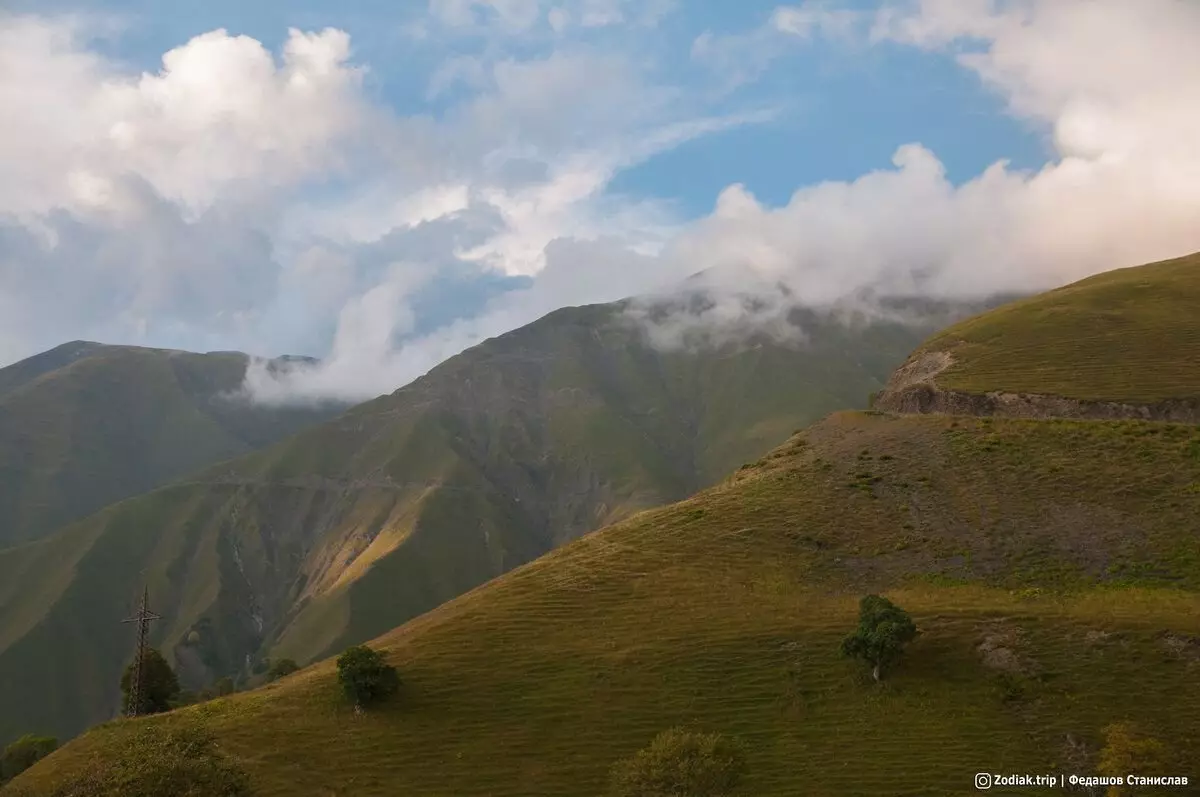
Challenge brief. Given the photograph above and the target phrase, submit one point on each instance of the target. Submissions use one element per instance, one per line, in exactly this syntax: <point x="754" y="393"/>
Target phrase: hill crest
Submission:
<point x="1119" y="345"/>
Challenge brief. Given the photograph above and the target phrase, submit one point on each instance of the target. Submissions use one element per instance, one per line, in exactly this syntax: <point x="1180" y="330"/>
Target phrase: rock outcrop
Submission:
<point x="913" y="390"/>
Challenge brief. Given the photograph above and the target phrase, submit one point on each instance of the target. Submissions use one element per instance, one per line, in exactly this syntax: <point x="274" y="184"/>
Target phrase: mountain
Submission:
<point x="352" y="527"/>
<point x="84" y="425"/>
<point x="1050" y="563"/>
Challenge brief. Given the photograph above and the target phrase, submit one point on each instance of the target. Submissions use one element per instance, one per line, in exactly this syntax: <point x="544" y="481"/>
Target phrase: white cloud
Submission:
<point x="513" y="17"/>
<point x="816" y="17"/>
<point x="221" y="116"/>
<point x="740" y="58"/>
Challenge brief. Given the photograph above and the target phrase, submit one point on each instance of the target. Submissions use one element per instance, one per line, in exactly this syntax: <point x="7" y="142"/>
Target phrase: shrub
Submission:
<point x="157" y="761"/>
<point x="24" y="753"/>
<point x="281" y="668"/>
<point x="366" y="677"/>
<point x="681" y="763"/>
<point x="1127" y="750"/>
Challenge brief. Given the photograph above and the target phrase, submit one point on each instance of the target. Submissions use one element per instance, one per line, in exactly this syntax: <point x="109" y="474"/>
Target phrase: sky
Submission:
<point x="383" y="184"/>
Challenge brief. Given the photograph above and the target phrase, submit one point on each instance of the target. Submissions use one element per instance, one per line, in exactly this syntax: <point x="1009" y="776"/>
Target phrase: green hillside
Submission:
<point x="1052" y="567"/>
<point x="1129" y="336"/>
<point x="84" y="425"/>
<point x="350" y="528"/>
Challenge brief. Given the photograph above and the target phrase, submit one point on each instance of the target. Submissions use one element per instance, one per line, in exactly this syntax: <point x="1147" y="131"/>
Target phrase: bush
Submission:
<point x="160" y="687"/>
<point x="157" y="762"/>
<point x="1127" y="750"/>
<point x="24" y="753"/>
<point x="884" y="629"/>
<point x="281" y="668"/>
<point x="681" y="763"/>
<point x="366" y="677"/>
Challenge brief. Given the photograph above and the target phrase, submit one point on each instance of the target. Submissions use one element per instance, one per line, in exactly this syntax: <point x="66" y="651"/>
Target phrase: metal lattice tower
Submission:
<point x="143" y="617"/>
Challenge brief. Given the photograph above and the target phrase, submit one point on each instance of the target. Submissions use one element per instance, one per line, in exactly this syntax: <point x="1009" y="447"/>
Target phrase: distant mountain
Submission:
<point x="348" y="529"/>
<point x="85" y="424"/>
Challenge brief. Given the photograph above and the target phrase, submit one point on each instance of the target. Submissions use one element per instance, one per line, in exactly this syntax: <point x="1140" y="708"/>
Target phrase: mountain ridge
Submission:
<point x="86" y="424"/>
<point x="353" y="526"/>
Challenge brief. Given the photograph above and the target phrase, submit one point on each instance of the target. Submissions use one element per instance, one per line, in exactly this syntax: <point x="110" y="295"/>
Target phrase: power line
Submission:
<point x="143" y="617"/>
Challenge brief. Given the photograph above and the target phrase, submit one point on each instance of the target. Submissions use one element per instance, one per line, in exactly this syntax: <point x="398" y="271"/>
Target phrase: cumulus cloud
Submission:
<point x="222" y="115"/>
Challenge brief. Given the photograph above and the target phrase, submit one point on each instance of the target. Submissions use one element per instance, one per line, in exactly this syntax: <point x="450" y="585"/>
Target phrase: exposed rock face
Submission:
<point x="913" y="389"/>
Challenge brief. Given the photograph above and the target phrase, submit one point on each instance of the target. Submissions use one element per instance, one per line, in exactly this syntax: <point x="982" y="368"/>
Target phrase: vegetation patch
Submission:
<point x="175" y="760"/>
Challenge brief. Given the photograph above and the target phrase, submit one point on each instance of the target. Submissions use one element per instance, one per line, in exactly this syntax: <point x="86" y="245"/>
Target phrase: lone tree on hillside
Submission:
<point x="281" y="668"/>
<point x="160" y="687"/>
<point x="681" y="762"/>
<point x="24" y="753"/>
<point x="365" y="677"/>
<point x="884" y="629"/>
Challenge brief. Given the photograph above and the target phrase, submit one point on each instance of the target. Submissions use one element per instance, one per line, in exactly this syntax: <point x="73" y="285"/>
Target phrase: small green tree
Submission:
<point x="160" y="687"/>
<point x="884" y="629"/>
<point x="366" y="677"/>
<point x="681" y="762"/>
<point x="1127" y="750"/>
<point x="24" y="753"/>
<point x="281" y="668"/>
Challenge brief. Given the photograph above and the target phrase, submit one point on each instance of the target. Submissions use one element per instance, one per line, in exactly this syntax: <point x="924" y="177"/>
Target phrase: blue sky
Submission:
<point x="841" y="113"/>
<point x="383" y="184"/>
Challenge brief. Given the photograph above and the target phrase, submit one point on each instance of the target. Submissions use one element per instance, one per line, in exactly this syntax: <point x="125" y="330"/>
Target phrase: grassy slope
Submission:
<point x="349" y="529"/>
<point x="1071" y="546"/>
<point x="84" y="425"/>
<point x="1131" y="335"/>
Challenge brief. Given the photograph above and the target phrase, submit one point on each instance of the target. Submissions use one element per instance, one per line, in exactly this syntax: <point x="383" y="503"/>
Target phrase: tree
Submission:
<point x="681" y="762"/>
<point x="884" y="629"/>
<point x="160" y="687"/>
<point x="24" y="753"/>
<point x="281" y="668"/>
<point x="366" y="677"/>
<point x="224" y="686"/>
<point x="1127" y="750"/>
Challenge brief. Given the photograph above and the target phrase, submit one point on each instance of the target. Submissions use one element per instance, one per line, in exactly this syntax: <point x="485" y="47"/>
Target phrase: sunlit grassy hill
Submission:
<point x="1052" y="567"/>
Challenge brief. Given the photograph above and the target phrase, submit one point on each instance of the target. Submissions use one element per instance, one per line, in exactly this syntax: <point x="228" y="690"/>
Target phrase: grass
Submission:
<point x="1130" y="335"/>
<point x="1050" y="566"/>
